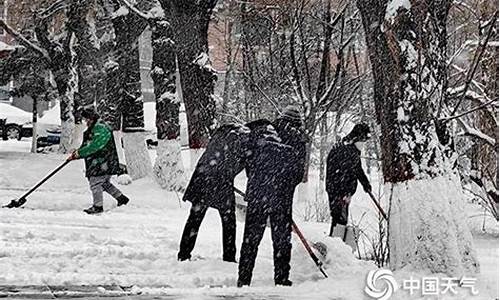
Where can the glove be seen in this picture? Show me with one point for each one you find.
(74, 155)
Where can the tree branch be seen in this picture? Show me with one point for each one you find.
(475, 62)
(52, 9)
(472, 132)
(262, 92)
(23, 40)
(469, 111)
(136, 11)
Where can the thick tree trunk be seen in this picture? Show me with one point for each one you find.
(168, 168)
(407, 48)
(68, 127)
(190, 21)
(82, 22)
(122, 106)
(34, 121)
(62, 64)
(67, 85)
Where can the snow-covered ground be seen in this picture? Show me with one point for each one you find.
(52, 242)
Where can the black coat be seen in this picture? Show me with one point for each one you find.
(273, 170)
(293, 135)
(343, 170)
(212, 182)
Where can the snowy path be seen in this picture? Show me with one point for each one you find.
(52, 242)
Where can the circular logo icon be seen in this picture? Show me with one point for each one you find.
(380, 284)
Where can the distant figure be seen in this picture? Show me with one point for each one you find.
(212, 185)
(343, 170)
(101, 160)
(275, 167)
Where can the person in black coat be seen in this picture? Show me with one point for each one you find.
(212, 185)
(275, 167)
(343, 170)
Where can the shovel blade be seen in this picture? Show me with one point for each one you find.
(15, 203)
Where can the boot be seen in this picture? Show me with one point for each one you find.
(94, 210)
(229, 258)
(182, 257)
(285, 282)
(122, 200)
(241, 283)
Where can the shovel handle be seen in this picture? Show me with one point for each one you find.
(380, 209)
(316, 260)
(45, 179)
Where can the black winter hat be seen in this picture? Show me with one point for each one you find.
(292, 113)
(89, 113)
(360, 133)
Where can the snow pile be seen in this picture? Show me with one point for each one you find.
(53, 242)
(428, 228)
(339, 255)
(52, 116)
(124, 179)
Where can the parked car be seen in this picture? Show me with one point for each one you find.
(17, 122)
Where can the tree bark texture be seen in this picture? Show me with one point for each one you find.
(407, 49)
(189, 21)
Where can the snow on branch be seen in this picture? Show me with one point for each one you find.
(135, 10)
(475, 61)
(23, 40)
(472, 132)
(480, 98)
(53, 9)
(262, 92)
(485, 105)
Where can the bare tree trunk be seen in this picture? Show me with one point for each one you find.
(127, 30)
(81, 21)
(190, 20)
(169, 167)
(34, 121)
(323, 148)
(407, 50)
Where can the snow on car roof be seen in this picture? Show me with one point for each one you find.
(7, 110)
(14, 114)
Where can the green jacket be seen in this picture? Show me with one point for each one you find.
(99, 151)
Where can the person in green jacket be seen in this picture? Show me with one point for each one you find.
(101, 160)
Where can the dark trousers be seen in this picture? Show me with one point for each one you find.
(339, 209)
(193, 223)
(281, 230)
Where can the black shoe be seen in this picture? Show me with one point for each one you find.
(285, 282)
(241, 283)
(181, 257)
(230, 258)
(122, 200)
(94, 210)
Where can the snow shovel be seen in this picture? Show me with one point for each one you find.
(316, 260)
(382, 212)
(308, 248)
(19, 202)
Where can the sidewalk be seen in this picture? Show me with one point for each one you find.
(53, 292)
(120, 292)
